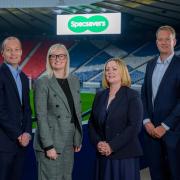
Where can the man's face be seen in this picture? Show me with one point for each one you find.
(12, 52)
(165, 42)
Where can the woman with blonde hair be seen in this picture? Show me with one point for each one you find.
(114, 125)
(59, 129)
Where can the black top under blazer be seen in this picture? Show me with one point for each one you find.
(122, 124)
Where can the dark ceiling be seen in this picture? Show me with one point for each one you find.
(136, 15)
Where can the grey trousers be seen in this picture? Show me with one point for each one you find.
(61, 168)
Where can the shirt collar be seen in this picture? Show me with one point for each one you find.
(166, 61)
(13, 70)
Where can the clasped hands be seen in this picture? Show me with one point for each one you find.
(24, 139)
(155, 132)
(104, 148)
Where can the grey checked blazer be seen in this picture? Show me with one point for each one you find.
(53, 113)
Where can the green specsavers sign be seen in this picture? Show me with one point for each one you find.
(106, 23)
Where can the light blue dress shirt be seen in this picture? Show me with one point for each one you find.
(158, 73)
(16, 76)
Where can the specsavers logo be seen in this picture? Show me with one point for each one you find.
(80, 24)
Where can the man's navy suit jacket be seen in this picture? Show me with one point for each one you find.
(15, 118)
(167, 102)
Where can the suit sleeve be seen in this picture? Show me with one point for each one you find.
(11, 128)
(173, 119)
(93, 129)
(41, 98)
(134, 122)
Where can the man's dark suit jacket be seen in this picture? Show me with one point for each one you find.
(167, 102)
(167, 110)
(15, 118)
(122, 125)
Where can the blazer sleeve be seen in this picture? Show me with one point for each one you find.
(41, 98)
(134, 122)
(93, 132)
(174, 117)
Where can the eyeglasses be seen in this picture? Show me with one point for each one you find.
(57, 56)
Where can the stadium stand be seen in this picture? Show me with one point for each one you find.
(100, 59)
(36, 64)
(81, 53)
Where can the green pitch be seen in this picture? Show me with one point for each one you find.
(86, 101)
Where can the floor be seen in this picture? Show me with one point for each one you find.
(145, 174)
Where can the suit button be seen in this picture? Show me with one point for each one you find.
(58, 117)
(57, 105)
(107, 127)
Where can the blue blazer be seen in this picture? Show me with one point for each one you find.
(15, 118)
(122, 124)
(167, 102)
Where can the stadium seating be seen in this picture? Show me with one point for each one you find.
(82, 52)
(36, 64)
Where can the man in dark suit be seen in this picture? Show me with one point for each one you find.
(161, 101)
(15, 113)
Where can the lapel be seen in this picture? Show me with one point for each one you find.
(11, 80)
(163, 82)
(116, 101)
(53, 83)
(101, 107)
(73, 91)
(23, 87)
(151, 70)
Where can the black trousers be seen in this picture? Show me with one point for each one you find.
(11, 164)
(163, 157)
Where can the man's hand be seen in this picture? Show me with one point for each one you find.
(159, 131)
(149, 126)
(24, 139)
(52, 154)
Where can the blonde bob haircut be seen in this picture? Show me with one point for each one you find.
(123, 72)
(49, 69)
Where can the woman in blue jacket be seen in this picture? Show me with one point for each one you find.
(114, 125)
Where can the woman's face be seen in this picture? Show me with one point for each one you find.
(112, 73)
(58, 59)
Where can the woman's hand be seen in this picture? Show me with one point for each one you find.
(108, 150)
(52, 154)
(104, 148)
(77, 148)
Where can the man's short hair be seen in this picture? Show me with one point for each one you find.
(167, 28)
(9, 38)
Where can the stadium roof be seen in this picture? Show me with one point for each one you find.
(137, 14)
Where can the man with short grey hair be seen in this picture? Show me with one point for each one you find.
(15, 113)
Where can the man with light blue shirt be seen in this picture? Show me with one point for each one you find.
(15, 113)
(161, 102)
